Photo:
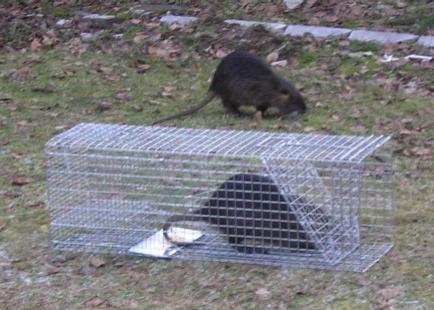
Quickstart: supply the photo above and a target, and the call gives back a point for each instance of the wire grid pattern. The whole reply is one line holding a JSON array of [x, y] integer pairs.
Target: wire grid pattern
[[297, 200]]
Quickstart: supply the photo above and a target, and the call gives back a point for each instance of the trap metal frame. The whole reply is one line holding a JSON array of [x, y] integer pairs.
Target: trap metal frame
[[112, 186]]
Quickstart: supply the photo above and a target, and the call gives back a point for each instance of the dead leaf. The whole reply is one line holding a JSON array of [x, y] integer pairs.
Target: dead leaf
[[33, 59], [123, 95], [3, 224], [262, 294], [356, 113], [134, 275], [169, 182], [245, 3], [52, 270], [35, 45], [280, 63], [38, 204], [311, 3], [221, 53], [272, 57], [140, 38], [22, 123], [105, 105], [360, 129], [49, 40], [22, 180], [252, 125], [389, 293], [95, 302], [158, 52], [258, 116], [333, 119], [421, 151], [410, 88], [49, 89], [61, 127], [132, 304], [137, 108], [12, 195], [97, 262], [143, 68], [196, 86]]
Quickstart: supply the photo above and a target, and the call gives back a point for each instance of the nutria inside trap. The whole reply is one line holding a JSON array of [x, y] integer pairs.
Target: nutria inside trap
[[296, 200]]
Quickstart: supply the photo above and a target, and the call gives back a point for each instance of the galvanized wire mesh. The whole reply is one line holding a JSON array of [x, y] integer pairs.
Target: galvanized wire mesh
[[298, 200]]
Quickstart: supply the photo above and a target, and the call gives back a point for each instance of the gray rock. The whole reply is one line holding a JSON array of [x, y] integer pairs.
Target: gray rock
[[179, 20], [427, 41], [248, 23], [292, 4], [317, 32], [87, 37], [63, 23], [159, 8], [99, 20], [138, 11], [381, 36]]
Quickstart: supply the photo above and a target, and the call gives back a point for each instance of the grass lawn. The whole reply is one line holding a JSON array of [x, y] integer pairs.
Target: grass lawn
[[44, 93]]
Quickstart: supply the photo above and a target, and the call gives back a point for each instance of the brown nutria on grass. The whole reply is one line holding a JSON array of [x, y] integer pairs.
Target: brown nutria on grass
[[243, 79]]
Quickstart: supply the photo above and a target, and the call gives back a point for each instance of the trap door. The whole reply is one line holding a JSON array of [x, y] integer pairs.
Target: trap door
[[315, 207]]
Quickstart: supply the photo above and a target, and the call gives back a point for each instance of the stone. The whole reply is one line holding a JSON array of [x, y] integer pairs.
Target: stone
[[427, 41], [146, 9], [98, 20], [381, 36], [179, 20], [317, 32], [248, 23], [63, 23], [87, 36], [292, 4]]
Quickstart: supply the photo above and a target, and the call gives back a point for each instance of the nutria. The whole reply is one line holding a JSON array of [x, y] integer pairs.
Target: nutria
[[252, 213], [243, 79]]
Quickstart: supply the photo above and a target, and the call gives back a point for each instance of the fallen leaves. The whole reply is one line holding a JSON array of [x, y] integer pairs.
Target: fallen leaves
[[35, 205], [421, 151], [3, 224], [387, 297], [272, 57], [36, 45], [22, 180], [262, 294], [166, 51], [124, 95], [22, 123], [97, 262], [12, 195], [104, 106], [359, 129], [49, 89], [143, 68], [280, 63], [95, 302]]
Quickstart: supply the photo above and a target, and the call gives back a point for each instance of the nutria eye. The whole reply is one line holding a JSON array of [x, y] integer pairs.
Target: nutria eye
[[284, 91]]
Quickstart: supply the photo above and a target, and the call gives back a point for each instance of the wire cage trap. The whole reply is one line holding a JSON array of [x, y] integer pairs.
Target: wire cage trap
[[297, 200]]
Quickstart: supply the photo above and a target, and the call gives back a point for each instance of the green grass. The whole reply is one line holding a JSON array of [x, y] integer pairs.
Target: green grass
[[59, 281]]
